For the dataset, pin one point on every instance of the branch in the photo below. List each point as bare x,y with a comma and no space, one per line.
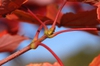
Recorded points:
39,29
14,55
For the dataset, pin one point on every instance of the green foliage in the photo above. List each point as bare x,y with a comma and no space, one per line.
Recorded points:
80,59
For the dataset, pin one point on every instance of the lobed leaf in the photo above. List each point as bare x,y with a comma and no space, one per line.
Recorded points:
80,20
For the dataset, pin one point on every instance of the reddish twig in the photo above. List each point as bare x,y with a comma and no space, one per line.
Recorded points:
39,29
16,54
58,13
45,27
57,58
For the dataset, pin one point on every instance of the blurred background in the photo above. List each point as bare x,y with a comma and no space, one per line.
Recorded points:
75,48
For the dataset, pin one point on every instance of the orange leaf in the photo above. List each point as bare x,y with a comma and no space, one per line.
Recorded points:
48,64
11,17
96,61
44,64
36,64
9,43
3,33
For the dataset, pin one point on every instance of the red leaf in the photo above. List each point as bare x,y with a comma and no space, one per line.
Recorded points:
10,25
80,20
98,10
6,6
96,61
40,2
49,10
3,33
52,10
9,43
25,17
37,9
42,12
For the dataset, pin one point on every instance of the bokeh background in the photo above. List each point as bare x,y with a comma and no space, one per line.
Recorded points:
75,48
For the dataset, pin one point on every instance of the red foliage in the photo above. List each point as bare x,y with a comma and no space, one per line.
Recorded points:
9,43
98,9
6,6
96,61
44,64
80,19
2,33
20,15
10,25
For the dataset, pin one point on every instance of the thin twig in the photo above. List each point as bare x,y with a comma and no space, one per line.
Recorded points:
45,27
39,29
73,29
58,13
57,58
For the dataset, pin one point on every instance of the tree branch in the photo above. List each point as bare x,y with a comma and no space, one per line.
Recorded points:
14,55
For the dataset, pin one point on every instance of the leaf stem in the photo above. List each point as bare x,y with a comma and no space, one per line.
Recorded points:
45,27
74,29
39,29
58,13
57,58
